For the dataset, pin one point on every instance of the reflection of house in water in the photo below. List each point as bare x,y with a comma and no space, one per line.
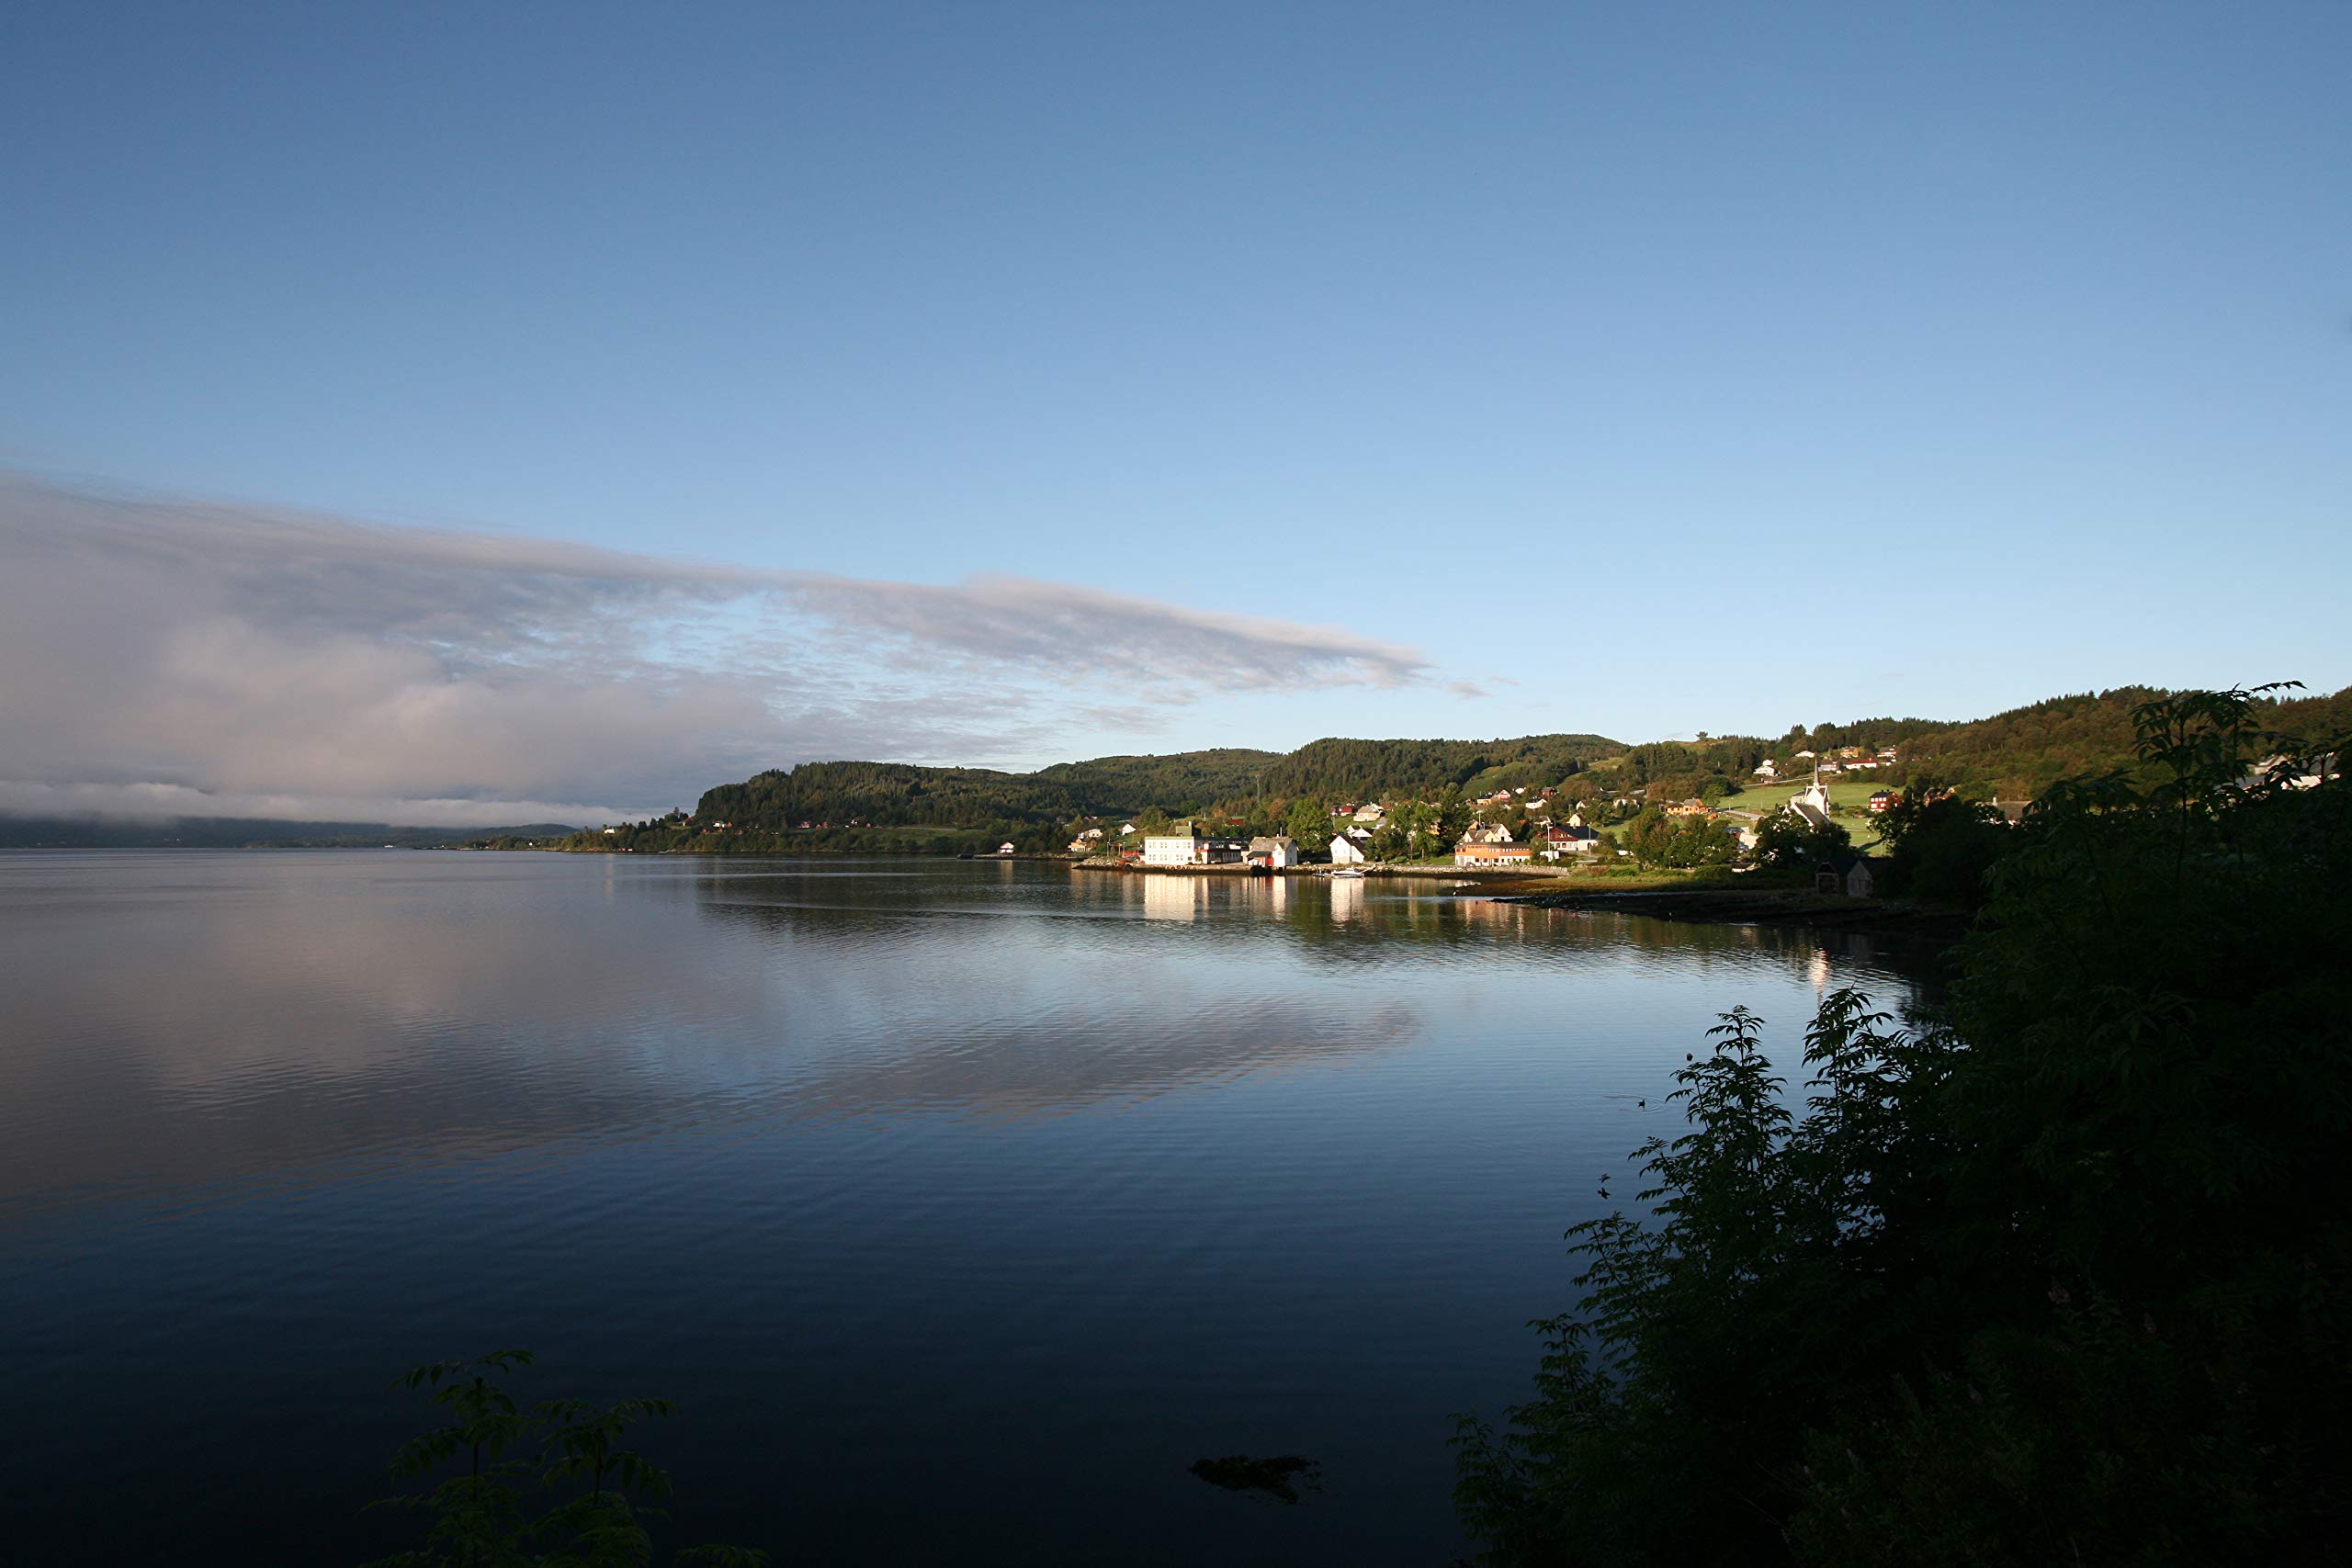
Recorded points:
1173,897
1347,900
1521,921
1481,912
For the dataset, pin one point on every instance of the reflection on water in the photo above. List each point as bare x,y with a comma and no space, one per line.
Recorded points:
1172,897
1138,1167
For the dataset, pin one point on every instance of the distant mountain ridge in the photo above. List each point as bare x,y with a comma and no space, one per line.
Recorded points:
239,833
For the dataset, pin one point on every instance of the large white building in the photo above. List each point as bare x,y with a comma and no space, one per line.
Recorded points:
1183,844
1346,851
1175,849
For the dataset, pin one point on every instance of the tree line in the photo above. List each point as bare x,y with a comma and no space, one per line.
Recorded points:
1356,771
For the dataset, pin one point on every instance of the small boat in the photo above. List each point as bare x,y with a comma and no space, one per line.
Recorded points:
1349,872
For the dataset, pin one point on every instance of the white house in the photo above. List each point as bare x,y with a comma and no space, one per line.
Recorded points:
1274,854
1559,841
2289,772
1346,851
1371,814
1181,845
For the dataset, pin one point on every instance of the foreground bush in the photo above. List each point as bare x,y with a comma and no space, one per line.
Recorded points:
2057,1274
546,1486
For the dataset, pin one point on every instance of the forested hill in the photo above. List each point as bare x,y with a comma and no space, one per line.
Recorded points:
1357,770
2019,753
1128,784
903,795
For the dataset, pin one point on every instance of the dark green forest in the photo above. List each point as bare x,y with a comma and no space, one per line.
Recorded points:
903,795
1356,771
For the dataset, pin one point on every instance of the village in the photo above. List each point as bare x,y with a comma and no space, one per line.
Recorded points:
1518,832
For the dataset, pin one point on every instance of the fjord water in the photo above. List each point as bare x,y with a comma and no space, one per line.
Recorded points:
960,1206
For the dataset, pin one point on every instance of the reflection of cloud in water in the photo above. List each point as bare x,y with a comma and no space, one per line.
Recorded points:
176,1024
291,1016
1082,1059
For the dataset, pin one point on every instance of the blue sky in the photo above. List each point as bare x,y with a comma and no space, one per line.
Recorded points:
1691,367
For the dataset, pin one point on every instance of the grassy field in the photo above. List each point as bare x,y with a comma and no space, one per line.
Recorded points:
1848,797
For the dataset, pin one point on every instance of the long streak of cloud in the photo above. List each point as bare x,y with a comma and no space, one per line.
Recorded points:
183,659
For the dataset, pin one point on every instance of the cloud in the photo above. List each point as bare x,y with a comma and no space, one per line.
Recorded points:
201,660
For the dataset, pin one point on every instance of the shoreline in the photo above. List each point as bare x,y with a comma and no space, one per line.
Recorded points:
1737,906
1514,878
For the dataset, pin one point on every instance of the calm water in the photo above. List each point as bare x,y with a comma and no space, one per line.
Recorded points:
960,1206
